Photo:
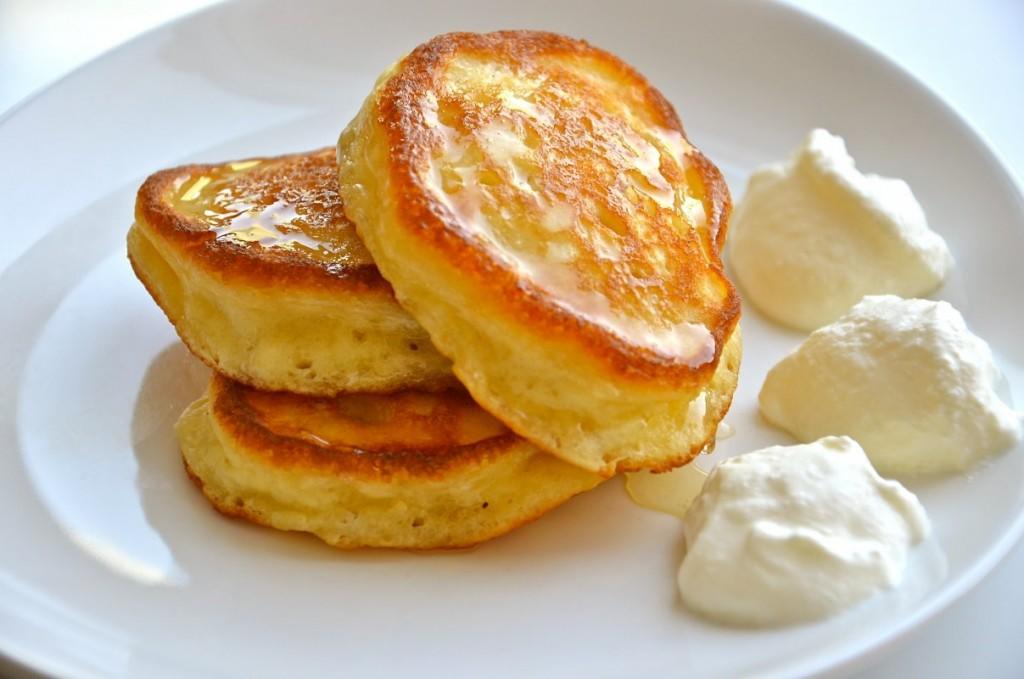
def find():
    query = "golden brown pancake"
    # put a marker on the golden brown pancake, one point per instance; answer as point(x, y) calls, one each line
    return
point(264, 278)
point(414, 469)
point(537, 207)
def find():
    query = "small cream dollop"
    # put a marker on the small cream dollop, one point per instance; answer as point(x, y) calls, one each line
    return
point(905, 378)
point(814, 235)
point(790, 534)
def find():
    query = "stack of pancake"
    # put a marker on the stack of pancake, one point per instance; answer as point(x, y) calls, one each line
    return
point(502, 287)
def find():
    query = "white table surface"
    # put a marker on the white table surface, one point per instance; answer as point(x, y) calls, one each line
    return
point(970, 53)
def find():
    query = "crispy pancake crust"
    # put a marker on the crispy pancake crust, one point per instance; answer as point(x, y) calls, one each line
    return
point(529, 191)
point(417, 470)
point(263, 276)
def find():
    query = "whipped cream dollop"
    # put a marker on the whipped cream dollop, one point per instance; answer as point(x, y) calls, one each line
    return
point(789, 534)
point(813, 235)
point(905, 378)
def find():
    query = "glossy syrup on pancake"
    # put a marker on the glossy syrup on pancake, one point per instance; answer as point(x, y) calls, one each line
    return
point(559, 180)
point(265, 279)
point(290, 207)
point(547, 221)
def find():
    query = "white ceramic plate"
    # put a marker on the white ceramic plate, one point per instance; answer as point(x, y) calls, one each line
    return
point(112, 564)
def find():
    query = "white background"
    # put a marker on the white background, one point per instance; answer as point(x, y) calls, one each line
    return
point(970, 53)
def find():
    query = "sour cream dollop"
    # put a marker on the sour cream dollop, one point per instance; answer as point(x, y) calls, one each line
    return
point(813, 235)
point(905, 378)
point(790, 534)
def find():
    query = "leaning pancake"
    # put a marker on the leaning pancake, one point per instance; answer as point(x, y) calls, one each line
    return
point(412, 469)
point(538, 209)
point(265, 279)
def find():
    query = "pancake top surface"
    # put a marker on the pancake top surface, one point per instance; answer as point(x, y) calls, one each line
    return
point(412, 433)
point(553, 173)
point(279, 217)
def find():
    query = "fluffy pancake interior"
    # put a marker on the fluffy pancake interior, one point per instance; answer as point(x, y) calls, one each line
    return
point(536, 207)
point(411, 470)
point(264, 278)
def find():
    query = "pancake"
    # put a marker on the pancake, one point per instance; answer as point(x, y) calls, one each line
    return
point(266, 281)
point(414, 469)
point(537, 207)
